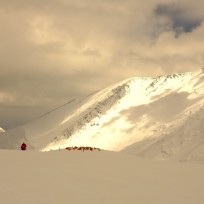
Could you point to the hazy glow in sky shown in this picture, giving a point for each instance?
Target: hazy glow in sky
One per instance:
(55, 50)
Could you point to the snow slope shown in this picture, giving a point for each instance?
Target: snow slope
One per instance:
(96, 177)
(160, 118)
(1, 130)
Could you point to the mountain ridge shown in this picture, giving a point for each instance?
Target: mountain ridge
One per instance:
(130, 112)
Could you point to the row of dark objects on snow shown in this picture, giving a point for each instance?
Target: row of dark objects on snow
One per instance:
(83, 148)
(24, 147)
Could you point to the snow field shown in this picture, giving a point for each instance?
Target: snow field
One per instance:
(96, 177)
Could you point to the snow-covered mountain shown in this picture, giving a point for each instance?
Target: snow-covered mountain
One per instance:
(157, 118)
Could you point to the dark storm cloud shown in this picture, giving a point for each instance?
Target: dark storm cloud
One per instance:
(180, 20)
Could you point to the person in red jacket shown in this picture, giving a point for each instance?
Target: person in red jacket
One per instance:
(23, 146)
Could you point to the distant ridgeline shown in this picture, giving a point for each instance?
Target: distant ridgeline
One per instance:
(2, 130)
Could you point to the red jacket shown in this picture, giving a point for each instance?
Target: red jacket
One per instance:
(23, 146)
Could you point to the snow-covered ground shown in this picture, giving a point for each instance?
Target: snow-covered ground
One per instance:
(96, 177)
(160, 118)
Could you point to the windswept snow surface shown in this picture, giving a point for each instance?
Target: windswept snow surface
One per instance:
(61, 177)
(160, 118)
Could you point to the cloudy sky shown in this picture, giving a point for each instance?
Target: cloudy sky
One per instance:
(54, 50)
